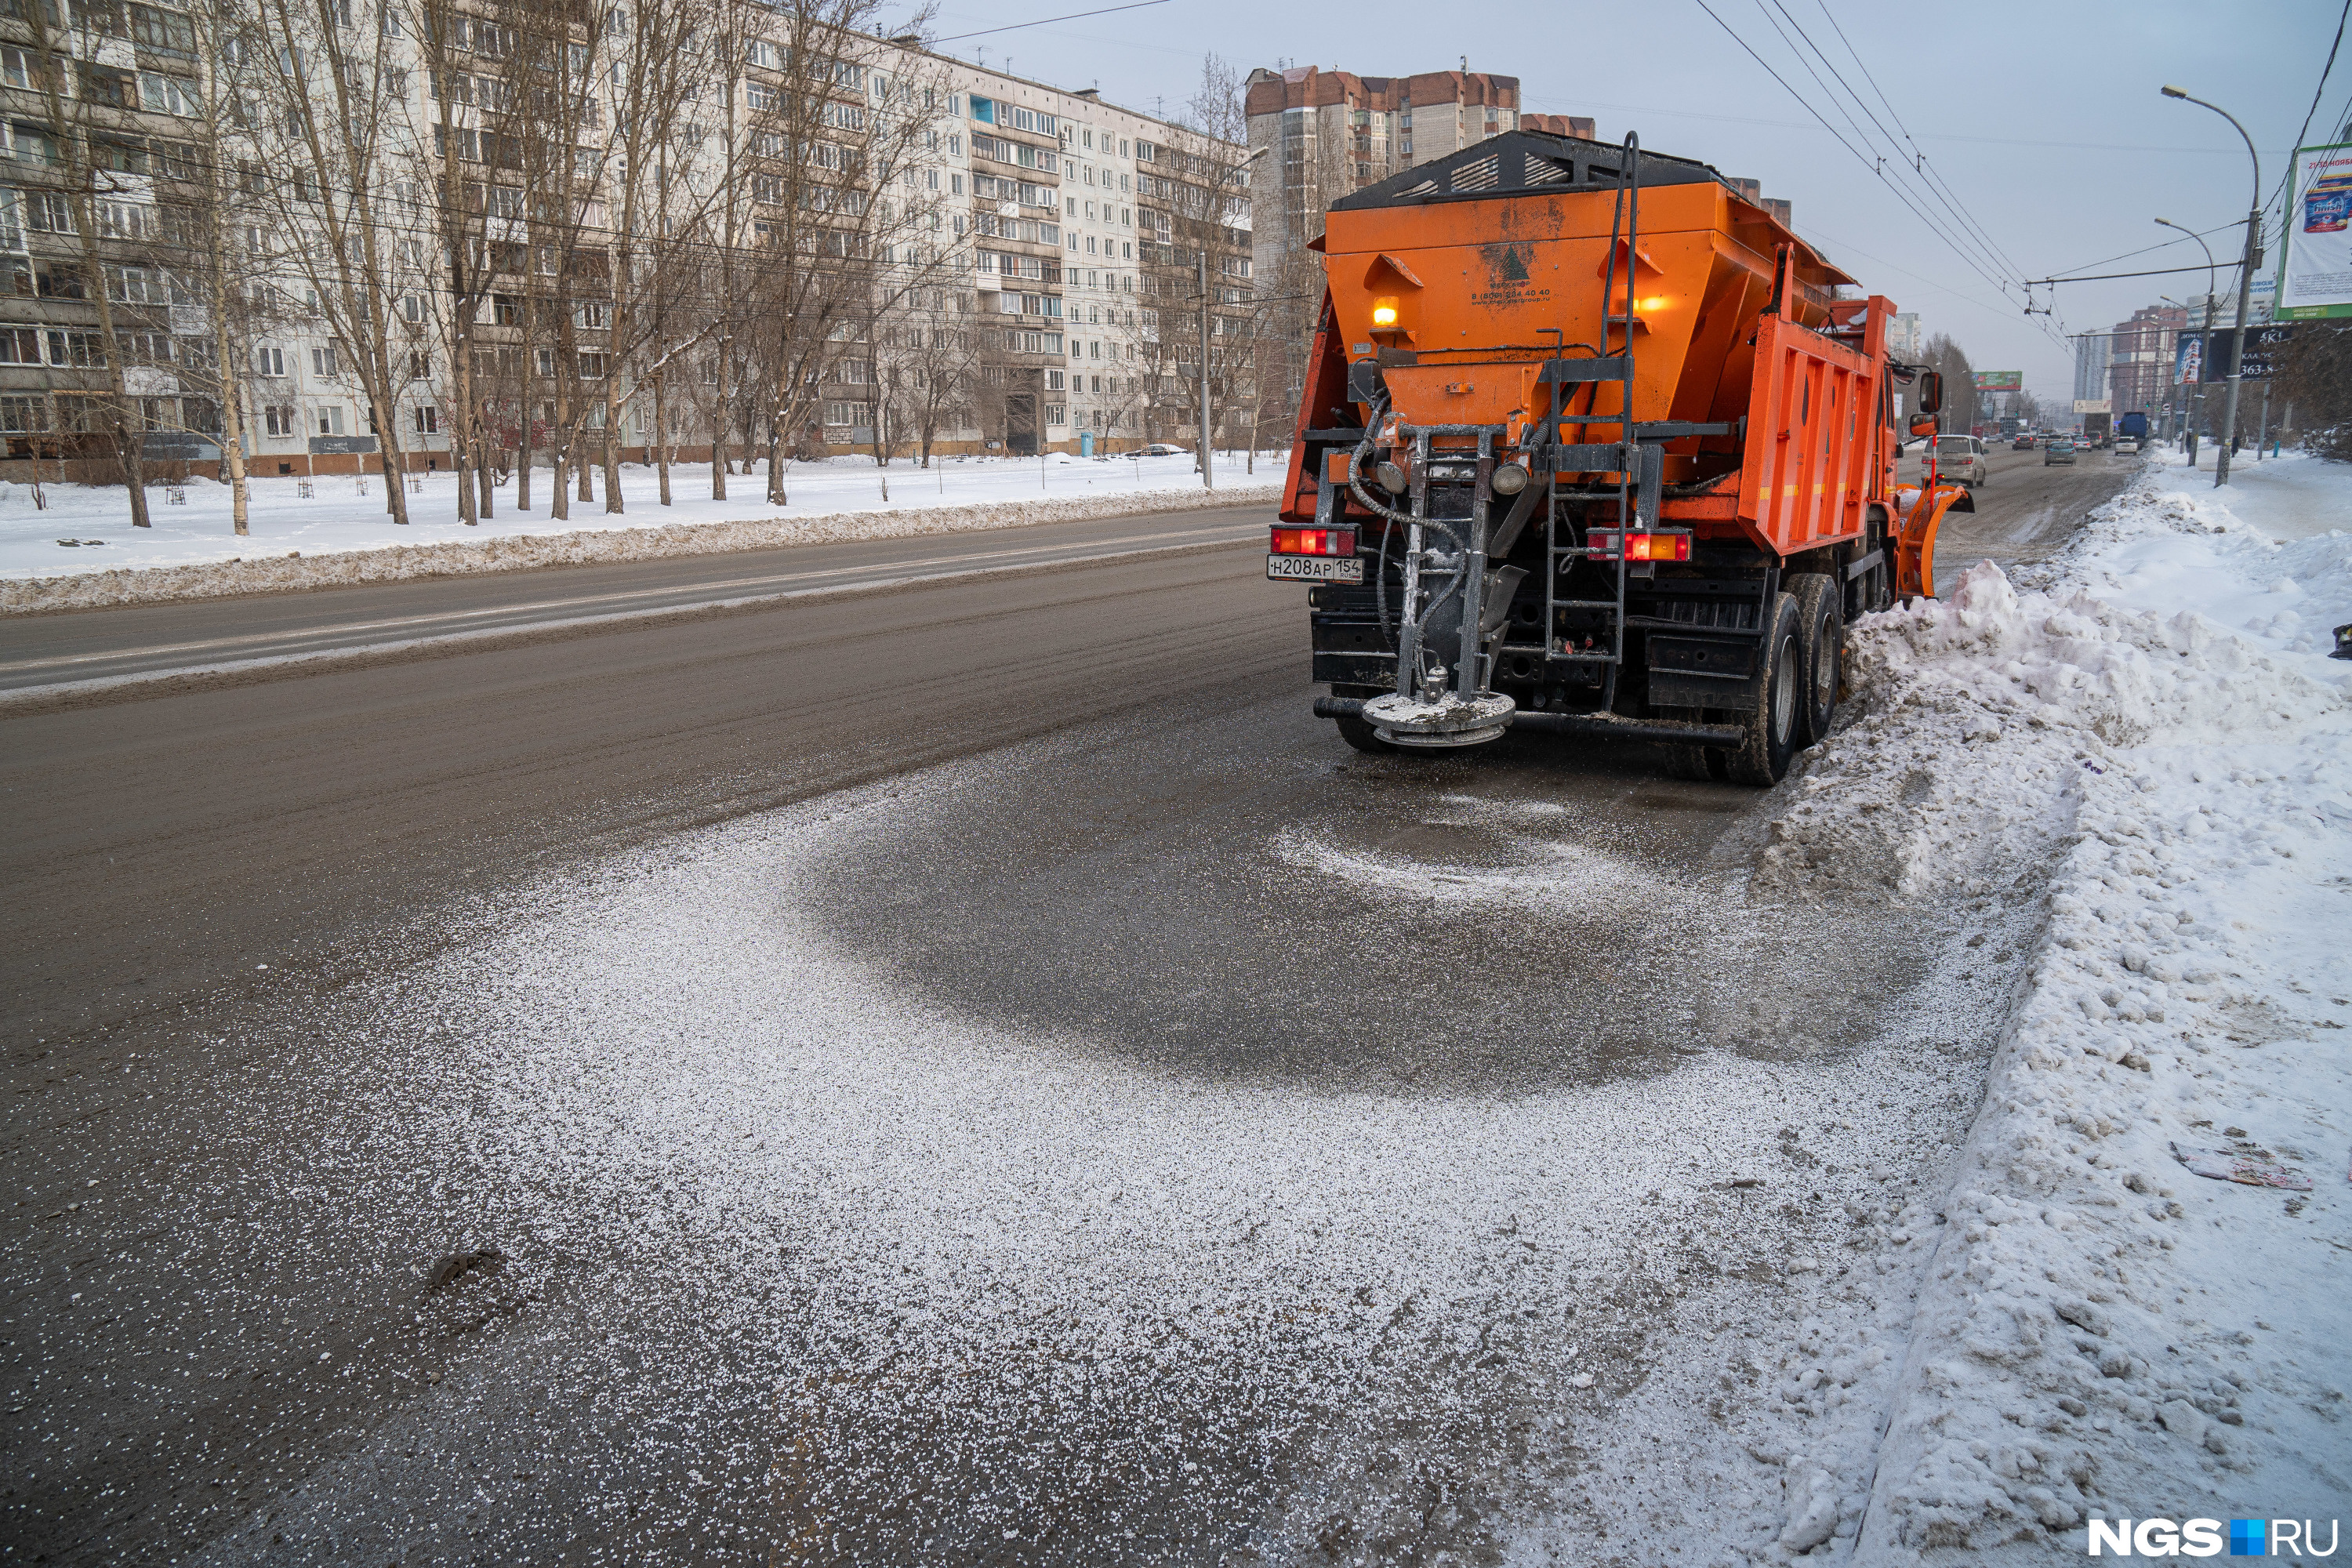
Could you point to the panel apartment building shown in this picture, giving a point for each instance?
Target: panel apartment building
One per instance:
(1055, 229)
(1330, 132)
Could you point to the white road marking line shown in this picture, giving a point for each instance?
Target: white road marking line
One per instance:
(19, 695)
(618, 596)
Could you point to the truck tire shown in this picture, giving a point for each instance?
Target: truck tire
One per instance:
(1691, 762)
(1775, 719)
(1360, 735)
(1820, 621)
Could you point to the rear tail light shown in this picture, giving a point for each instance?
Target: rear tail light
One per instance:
(1315, 542)
(1640, 546)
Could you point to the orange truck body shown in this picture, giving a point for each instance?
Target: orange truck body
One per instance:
(1638, 457)
(1485, 291)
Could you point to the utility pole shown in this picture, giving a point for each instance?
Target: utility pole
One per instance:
(2245, 285)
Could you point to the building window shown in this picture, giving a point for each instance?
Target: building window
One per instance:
(269, 361)
(322, 365)
(330, 419)
(428, 419)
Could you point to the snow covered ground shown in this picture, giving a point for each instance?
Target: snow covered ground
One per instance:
(341, 533)
(2103, 1328)
(1753, 1308)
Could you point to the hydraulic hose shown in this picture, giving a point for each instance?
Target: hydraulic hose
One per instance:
(1364, 498)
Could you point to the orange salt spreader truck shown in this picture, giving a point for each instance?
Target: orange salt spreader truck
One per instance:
(1598, 406)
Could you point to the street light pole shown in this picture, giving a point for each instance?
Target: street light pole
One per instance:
(2206, 354)
(2245, 285)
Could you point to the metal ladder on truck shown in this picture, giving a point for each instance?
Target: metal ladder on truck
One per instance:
(1640, 466)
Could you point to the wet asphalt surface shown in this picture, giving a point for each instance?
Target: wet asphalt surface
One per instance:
(236, 1181)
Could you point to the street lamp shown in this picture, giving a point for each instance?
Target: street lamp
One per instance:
(2209, 326)
(1207, 478)
(2245, 283)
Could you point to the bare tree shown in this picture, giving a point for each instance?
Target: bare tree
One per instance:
(1197, 197)
(324, 103)
(85, 199)
(843, 234)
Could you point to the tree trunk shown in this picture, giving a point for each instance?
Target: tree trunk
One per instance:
(485, 482)
(612, 439)
(561, 507)
(661, 432)
(462, 456)
(232, 415)
(720, 408)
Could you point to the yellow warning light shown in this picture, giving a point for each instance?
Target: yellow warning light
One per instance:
(1384, 313)
(1658, 303)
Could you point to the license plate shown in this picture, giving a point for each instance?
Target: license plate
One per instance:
(1314, 568)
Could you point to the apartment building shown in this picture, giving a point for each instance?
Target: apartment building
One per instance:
(2139, 363)
(93, 107)
(1329, 132)
(1052, 230)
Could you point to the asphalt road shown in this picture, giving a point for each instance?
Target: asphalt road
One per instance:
(144, 640)
(2026, 509)
(250, 920)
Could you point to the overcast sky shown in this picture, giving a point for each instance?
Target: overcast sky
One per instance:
(2043, 120)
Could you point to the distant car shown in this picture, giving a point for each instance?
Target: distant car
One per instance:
(2125, 447)
(2060, 451)
(2022, 443)
(1961, 457)
(1162, 449)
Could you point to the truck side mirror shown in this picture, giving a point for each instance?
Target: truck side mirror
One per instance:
(1924, 425)
(1931, 390)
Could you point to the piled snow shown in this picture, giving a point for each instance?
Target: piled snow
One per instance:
(2159, 738)
(343, 535)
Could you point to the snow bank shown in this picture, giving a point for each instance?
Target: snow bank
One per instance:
(629, 540)
(2101, 1332)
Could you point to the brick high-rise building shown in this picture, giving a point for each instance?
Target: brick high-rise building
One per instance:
(1330, 132)
(2140, 364)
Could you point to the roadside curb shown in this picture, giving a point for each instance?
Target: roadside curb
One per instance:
(584, 547)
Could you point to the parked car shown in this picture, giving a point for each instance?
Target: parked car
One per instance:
(2060, 451)
(1162, 449)
(1961, 457)
(2125, 447)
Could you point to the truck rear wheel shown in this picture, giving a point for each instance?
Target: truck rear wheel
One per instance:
(1776, 717)
(1699, 764)
(1822, 623)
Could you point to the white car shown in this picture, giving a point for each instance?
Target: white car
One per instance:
(1162, 449)
(1961, 457)
(2125, 447)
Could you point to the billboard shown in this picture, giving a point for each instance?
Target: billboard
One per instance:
(2000, 381)
(2315, 276)
(2095, 406)
(2207, 356)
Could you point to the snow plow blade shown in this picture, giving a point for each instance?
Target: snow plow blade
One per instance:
(1915, 540)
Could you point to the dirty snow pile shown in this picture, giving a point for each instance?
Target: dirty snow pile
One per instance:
(2135, 1307)
(79, 552)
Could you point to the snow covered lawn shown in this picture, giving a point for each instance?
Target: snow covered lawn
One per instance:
(341, 533)
(2109, 1326)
